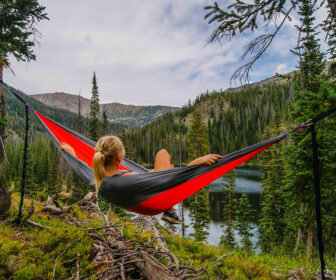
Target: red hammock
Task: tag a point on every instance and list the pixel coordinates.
(147, 193)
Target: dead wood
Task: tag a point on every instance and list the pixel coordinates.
(35, 224)
(116, 257)
(328, 275)
(149, 223)
(56, 210)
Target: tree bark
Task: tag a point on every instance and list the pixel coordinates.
(195, 210)
(5, 199)
(182, 217)
(149, 266)
(298, 240)
(309, 242)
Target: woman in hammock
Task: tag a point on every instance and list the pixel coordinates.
(110, 152)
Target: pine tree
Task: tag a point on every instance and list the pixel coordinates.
(129, 151)
(300, 214)
(18, 27)
(94, 111)
(30, 182)
(104, 124)
(198, 145)
(271, 223)
(197, 139)
(245, 16)
(229, 208)
(79, 188)
(243, 213)
(54, 181)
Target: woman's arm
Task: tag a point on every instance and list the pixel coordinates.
(207, 160)
(68, 149)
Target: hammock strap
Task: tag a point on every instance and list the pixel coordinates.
(317, 185)
(24, 164)
(27, 107)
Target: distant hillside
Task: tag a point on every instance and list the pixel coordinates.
(15, 115)
(268, 81)
(234, 119)
(127, 114)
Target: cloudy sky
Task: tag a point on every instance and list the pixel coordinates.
(143, 52)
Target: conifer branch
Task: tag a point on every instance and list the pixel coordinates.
(259, 46)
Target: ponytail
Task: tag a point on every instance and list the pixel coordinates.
(99, 169)
(107, 148)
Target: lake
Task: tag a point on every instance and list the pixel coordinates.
(248, 181)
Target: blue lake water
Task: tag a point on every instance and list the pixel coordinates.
(248, 181)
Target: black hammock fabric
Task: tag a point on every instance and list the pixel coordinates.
(147, 193)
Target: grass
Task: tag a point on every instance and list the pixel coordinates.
(28, 252)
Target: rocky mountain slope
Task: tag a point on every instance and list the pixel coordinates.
(127, 114)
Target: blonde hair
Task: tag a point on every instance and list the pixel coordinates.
(107, 148)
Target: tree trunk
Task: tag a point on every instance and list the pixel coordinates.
(5, 199)
(309, 242)
(229, 222)
(195, 209)
(298, 240)
(182, 217)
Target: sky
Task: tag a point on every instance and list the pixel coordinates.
(145, 52)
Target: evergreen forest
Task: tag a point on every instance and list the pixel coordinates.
(68, 232)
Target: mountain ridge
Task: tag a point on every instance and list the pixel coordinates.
(132, 115)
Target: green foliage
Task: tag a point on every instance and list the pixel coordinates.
(198, 145)
(79, 188)
(15, 115)
(231, 126)
(135, 116)
(34, 253)
(42, 171)
(229, 209)
(273, 204)
(243, 226)
(94, 123)
(104, 124)
(18, 31)
(314, 95)
(241, 16)
(197, 140)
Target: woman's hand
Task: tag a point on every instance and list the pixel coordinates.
(207, 160)
(68, 149)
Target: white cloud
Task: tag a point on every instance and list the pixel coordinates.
(281, 68)
(143, 52)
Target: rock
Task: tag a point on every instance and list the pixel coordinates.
(5, 200)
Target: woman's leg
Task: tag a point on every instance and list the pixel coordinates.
(162, 160)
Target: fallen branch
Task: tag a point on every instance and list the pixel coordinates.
(77, 266)
(224, 256)
(35, 224)
(59, 257)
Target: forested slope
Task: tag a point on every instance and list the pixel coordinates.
(233, 119)
(15, 115)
